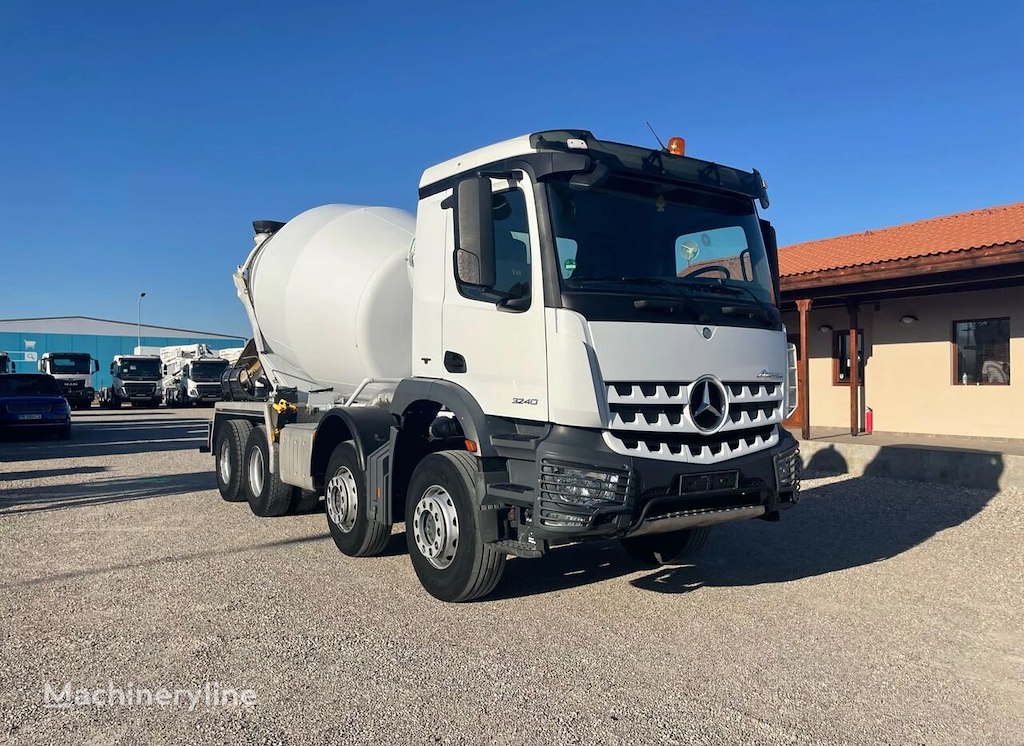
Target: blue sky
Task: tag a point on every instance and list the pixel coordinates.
(138, 140)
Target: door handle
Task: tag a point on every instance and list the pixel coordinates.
(454, 362)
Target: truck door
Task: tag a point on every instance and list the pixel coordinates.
(498, 353)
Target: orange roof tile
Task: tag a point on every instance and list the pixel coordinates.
(962, 231)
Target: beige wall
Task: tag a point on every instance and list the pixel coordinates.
(908, 374)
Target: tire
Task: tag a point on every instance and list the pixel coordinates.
(664, 549)
(229, 453)
(268, 496)
(347, 506)
(458, 565)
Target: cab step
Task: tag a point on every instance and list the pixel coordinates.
(522, 549)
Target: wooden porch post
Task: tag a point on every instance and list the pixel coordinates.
(803, 375)
(853, 307)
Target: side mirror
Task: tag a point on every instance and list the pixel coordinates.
(164, 368)
(474, 233)
(111, 369)
(95, 366)
(771, 247)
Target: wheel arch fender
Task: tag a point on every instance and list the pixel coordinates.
(367, 427)
(412, 391)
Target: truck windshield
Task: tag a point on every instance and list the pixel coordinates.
(70, 364)
(208, 371)
(138, 369)
(665, 239)
(28, 384)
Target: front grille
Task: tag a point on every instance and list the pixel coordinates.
(28, 407)
(653, 420)
(136, 389)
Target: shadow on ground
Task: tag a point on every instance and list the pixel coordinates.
(96, 436)
(167, 560)
(101, 491)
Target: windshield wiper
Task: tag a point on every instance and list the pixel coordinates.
(763, 307)
(679, 285)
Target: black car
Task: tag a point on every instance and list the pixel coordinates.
(33, 401)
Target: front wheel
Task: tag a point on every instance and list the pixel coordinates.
(354, 531)
(442, 529)
(664, 549)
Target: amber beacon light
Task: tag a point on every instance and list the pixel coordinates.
(676, 146)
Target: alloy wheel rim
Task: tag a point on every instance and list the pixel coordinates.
(256, 472)
(225, 462)
(343, 499)
(436, 527)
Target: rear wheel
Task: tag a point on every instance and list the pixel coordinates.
(354, 531)
(268, 496)
(229, 456)
(443, 530)
(664, 549)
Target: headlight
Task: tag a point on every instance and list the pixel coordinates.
(791, 381)
(581, 486)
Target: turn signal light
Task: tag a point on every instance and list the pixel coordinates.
(471, 445)
(676, 146)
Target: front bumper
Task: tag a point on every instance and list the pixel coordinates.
(140, 395)
(654, 495)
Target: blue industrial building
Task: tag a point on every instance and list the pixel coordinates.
(25, 340)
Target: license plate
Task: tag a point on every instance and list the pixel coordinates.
(718, 480)
(30, 417)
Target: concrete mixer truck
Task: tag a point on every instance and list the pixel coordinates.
(573, 339)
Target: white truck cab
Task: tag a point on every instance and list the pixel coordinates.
(135, 379)
(73, 371)
(191, 375)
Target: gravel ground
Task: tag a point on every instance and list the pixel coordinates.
(877, 611)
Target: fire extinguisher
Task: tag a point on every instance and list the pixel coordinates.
(869, 421)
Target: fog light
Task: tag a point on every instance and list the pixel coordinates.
(585, 487)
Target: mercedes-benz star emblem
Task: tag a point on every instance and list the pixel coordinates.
(708, 404)
(706, 332)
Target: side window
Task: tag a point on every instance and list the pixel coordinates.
(511, 250)
(982, 348)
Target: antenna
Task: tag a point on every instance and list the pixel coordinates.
(655, 135)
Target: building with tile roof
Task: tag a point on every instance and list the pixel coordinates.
(935, 309)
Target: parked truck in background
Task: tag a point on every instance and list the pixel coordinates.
(6, 364)
(573, 339)
(136, 379)
(191, 375)
(73, 371)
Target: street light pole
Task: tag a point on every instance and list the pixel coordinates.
(139, 328)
